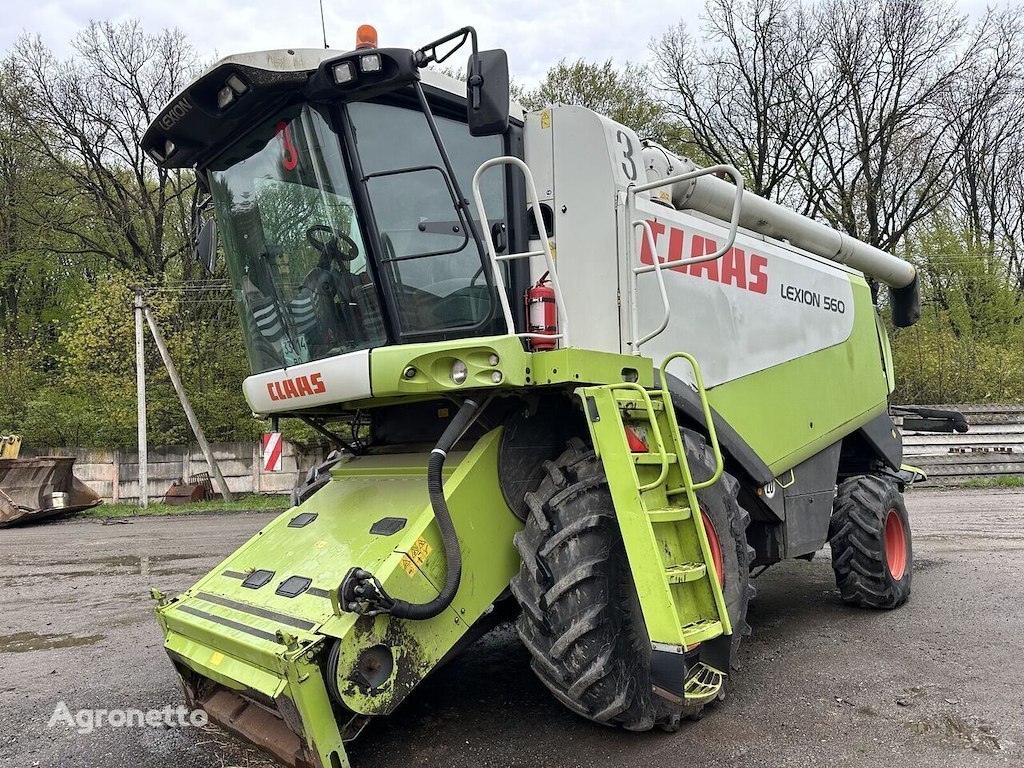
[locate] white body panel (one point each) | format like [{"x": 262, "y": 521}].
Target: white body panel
[
  {"x": 338, "y": 379},
  {"x": 759, "y": 305},
  {"x": 793, "y": 303},
  {"x": 583, "y": 203},
  {"x": 539, "y": 150}
]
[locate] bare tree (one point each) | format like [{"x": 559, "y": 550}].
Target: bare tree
[
  {"x": 14, "y": 173},
  {"x": 988, "y": 185},
  {"x": 29, "y": 278},
  {"x": 1009, "y": 212},
  {"x": 887, "y": 140},
  {"x": 736, "y": 86},
  {"x": 88, "y": 113},
  {"x": 871, "y": 115}
]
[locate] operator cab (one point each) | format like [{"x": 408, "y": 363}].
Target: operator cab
[{"x": 340, "y": 184}]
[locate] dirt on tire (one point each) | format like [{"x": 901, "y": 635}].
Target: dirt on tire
[{"x": 581, "y": 619}]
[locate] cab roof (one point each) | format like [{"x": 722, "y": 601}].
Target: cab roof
[{"x": 196, "y": 124}]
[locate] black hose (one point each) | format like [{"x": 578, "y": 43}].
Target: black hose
[{"x": 435, "y": 487}]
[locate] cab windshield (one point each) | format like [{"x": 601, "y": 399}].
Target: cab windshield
[
  {"x": 296, "y": 253},
  {"x": 297, "y": 248}
]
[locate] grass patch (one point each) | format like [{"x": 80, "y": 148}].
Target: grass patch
[
  {"x": 1005, "y": 481},
  {"x": 254, "y": 503}
]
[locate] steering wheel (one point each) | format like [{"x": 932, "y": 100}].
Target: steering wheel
[{"x": 330, "y": 247}]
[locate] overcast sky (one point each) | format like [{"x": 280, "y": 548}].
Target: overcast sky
[{"x": 536, "y": 33}]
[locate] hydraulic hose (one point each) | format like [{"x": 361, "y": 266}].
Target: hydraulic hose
[{"x": 435, "y": 488}]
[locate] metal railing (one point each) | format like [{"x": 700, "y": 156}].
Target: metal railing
[
  {"x": 534, "y": 202},
  {"x": 656, "y": 265}
]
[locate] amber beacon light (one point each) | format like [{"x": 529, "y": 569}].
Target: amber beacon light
[{"x": 366, "y": 36}]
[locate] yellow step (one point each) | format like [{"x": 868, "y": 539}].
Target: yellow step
[
  {"x": 699, "y": 631},
  {"x": 678, "y": 574},
  {"x": 668, "y": 514},
  {"x": 704, "y": 684},
  {"x": 652, "y": 458}
]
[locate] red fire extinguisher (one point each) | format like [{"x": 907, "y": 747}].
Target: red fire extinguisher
[{"x": 542, "y": 314}]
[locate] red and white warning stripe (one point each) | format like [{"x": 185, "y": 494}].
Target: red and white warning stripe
[{"x": 273, "y": 452}]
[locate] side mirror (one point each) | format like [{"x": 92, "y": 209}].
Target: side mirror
[
  {"x": 487, "y": 93},
  {"x": 206, "y": 245}
]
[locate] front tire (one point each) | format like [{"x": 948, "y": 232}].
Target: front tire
[
  {"x": 581, "y": 619},
  {"x": 869, "y": 535}
]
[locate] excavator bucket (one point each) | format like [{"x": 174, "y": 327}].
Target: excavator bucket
[{"x": 33, "y": 489}]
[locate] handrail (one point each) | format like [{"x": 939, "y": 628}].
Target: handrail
[
  {"x": 734, "y": 221},
  {"x": 637, "y": 271},
  {"x": 531, "y": 190},
  {"x": 653, "y": 420},
  {"x": 631, "y": 192},
  {"x": 716, "y": 449}
]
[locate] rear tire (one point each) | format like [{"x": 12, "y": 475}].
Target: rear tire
[
  {"x": 581, "y": 619},
  {"x": 869, "y": 534}
]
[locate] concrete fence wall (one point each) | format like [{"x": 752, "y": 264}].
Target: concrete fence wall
[
  {"x": 114, "y": 475},
  {"x": 993, "y": 447}
]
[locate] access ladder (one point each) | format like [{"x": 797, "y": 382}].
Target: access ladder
[{"x": 637, "y": 437}]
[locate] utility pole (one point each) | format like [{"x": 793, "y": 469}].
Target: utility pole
[
  {"x": 187, "y": 406},
  {"x": 140, "y": 389}
]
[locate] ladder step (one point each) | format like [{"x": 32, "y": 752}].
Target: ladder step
[
  {"x": 627, "y": 400},
  {"x": 652, "y": 458},
  {"x": 678, "y": 574},
  {"x": 668, "y": 514},
  {"x": 699, "y": 631},
  {"x": 704, "y": 684}
]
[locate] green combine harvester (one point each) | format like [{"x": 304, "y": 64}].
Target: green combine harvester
[{"x": 573, "y": 378}]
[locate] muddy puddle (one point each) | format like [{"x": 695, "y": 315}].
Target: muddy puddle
[
  {"x": 20, "y": 642},
  {"x": 144, "y": 565},
  {"x": 975, "y": 733}
]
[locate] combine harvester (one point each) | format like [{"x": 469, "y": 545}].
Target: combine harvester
[
  {"x": 38, "y": 488},
  {"x": 594, "y": 397}
]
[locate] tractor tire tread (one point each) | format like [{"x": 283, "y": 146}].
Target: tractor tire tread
[
  {"x": 857, "y": 540},
  {"x": 581, "y": 621}
]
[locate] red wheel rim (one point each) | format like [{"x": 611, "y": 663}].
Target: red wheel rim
[
  {"x": 895, "y": 545},
  {"x": 715, "y": 546}
]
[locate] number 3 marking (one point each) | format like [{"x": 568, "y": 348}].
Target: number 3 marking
[{"x": 628, "y": 164}]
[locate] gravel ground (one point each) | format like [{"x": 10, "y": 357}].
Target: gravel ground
[{"x": 935, "y": 683}]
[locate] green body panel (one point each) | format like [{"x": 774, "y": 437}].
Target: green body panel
[
  {"x": 308, "y": 693},
  {"x": 256, "y": 640},
  {"x": 228, "y": 670},
  {"x": 791, "y": 411},
  {"x": 431, "y": 366},
  {"x": 883, "y": 340},
  {"x": 295, "y": 677},
  {"x": 486, "y": 526}
]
